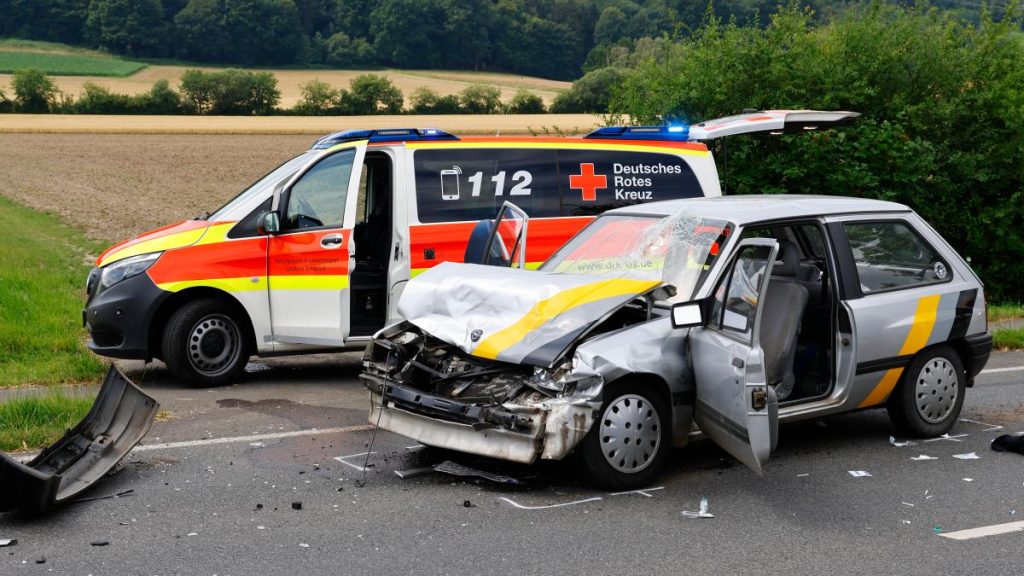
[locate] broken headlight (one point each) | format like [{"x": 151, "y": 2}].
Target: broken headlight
[{"x": 567, "y": 378}]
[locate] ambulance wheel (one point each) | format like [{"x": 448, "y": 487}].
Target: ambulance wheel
[
  {"x": 930, "y": 394},
  {"x": 204, "y": 344},
  {"x": 627, "y": 446}
]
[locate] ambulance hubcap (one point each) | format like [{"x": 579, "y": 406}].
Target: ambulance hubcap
[
  {"x": 213, "y": 344},
  {"x": 630, "y": 433},
  {"x": 936, "y": 390}
]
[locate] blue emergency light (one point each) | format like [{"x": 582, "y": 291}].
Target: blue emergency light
[
  {"x": 382, "y": 135},
  {"x": 675, "y": 131}
]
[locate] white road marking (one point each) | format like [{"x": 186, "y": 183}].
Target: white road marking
[
  {"x": 984, "y": 531},
  {"x": 252, "y": 438},
  {"x": 991, "y": 427},
  {"x": 998, "y": 370},
  {"x": 643, "y": 492},
  {"x": 563, "y": 504},
  {"x": 955, "y": 438},
  {"x": 361, "y": 455}
]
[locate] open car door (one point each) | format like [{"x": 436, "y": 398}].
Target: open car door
[
  {"x": 501, "y": 242},
  {"x": 735, "y": 407},
  {"x": 773, "y": 121}
]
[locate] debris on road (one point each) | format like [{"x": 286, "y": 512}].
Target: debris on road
[
  {"x": 702, "y": 513},
  {"x": 296, "y": 505},
  {"x": 968, "y": 479},
  {"x": 923, "y": 457},
  {"x": 455, "y": 469},
  {"x": 859, "y": 473},
  {"x": 414, "y": 472},
  {"x": 967, "y": 456},
  {"x": 894, "y": 442},
  {"x": 468, "y": 504},
  {"x": 303, "y": 545},
  {"x": 10, "y": 542},
  {"x": 41, "y": 560},
  {"x": 99, "y": 543},
  {"x": 1009, "y": 443}
]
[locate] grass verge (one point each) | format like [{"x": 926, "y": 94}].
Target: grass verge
[
  {"x": 43, "y": 265},
  {"x": 1005, "y": 311},
  {"x": 59, "y": 60},
  {"x": 38, "y": 420},
  {"x": 1008, "y": 339}
]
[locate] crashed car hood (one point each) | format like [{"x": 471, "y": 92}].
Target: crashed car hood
[
  {"x": 516, "y": 316},
  {"x": 170, "y": 237}
]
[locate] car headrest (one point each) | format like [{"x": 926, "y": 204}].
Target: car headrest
[{"x": 790, "y": 256}]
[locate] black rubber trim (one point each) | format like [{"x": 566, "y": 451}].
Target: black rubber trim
[
  {"x": 849, "y": 282},
  {"x": 964, "y": 311},
  {"x": 980, "y": 346},
  {"x": 883, "y": 364}
]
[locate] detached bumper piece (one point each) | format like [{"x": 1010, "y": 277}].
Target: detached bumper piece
[{"x": 118, "y": 420}]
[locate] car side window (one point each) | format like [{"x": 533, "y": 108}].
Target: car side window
[
  {"x": 734, "y": 307},
  {"x": 318, "y": 198},
  {"x": 889, "y": 255}
]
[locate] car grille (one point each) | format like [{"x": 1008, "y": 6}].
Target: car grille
[{"x": 106, "y": 336}]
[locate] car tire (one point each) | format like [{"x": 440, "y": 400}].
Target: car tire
[
  {"x": 632, "y": 415},
  {"x": 205, "y": 343},
  {"x": 930, "y": 393}
]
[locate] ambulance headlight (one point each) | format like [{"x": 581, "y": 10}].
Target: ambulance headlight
[{"x": 123, "y": 269}]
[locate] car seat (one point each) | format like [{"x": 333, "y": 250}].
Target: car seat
[{"x": 783, "y": 312}]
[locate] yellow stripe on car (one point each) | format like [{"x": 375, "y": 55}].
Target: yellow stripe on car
[
  {"x": 251, "y": 283},
  {"x": 545, "y": 310},
  {"x": 917, "y": 338}
]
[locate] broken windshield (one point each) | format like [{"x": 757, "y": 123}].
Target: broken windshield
[{"x": 677, "y": 250}]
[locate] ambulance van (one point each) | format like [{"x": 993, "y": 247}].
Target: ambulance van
[{"x": 314, "y": 256}]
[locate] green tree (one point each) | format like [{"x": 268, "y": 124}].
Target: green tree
[
  {"x": 126, "y": 26},
  {"x": 372, "y": 94},
  {"x": 405, "y": 32},
  {"x": 525, "y": 102},
  {"x": 318, "y": 98},
  {"x": 609, "y": 26},
  {"x": 240, "y": 31},
  {"x": 346, "y": 52},
  {"x": 592, "y": 93},
  {"x": 6, "y": 104},
  {"x": 423, "y": 100},
  {"x": 34, "y": 92},
  {"x": 480, "y": 99},
  {"x": 230, "y": 92},
  {"x": 161, "y": 99}
]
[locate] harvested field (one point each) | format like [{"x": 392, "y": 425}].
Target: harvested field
[
  {"x": 288, "y": 81},
  {"x": 313, "y": 125}
]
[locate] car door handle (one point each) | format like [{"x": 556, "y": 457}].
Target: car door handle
[
  {"x": 737, "y": 362},
  {"x": 331, "y": 241}
]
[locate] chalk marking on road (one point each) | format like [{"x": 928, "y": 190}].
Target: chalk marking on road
[
  {"x": 362, "y": 455},
  {"x": 991, "y": 427},
  {"x": 561, "y": 505},
  {"x": 955, "y": 438},
  {"x": 999, "y": 370},
  {"x": 643, "y": 492},
  {"x": 983, "y": 531},
  {"x": 252, "y": 438}
]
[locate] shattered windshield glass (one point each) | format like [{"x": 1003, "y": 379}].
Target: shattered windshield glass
[{"x": 678, "y": 250}]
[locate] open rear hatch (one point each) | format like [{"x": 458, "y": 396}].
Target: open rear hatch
[{"x": 118, "y": 420}]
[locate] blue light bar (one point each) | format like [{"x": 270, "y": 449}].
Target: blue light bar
[
  {"x": 382, "y": 135},
  {"x": 676, "y": 132}
]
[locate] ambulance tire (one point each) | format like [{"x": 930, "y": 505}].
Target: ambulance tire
[
  {"x": 628, "y": 445},
  {"x": 930, "y": 394},
  {"x": 204, "y": 343}
]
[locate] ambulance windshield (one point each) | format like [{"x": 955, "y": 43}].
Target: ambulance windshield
[
  {"x": 264, "y": 184},
  {"x": 678, "y": 250}
]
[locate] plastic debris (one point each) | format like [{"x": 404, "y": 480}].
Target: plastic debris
[
  {"x": 414, "y": 472},
  {"x": 1009, "y": 443},
  {"x": 907, "y": 504},
  {"x": 968, "y": 479},
  {"x": 923, "y": 457},
  {"x": 449, "y": 467},
  {"x": 702, "y": 513},
  {"x": 859, "y": 473},
  {"x": 256, "y": 444},
  {"x": 192, "y": 534},
  {"x": 303, "y": 545},
  {"x": 99, "y": 543},
  {"x": 967, "y": 456},
  {"x": 10, "y": 542},
  {"x": 467, "y": 504},
  {"x": 261, "y": 527},
  {"x": 41, "y": 560},
  {"x": 296, "y": 505},
  {"x": 937, "y": 529},
  {"x": 802, "y": 475},
  {"x": 892, "y": 440},
  {"x": 906, "y": 521}
]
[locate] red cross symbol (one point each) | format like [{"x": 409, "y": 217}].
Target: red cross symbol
[{"x": 588, "y": 182}]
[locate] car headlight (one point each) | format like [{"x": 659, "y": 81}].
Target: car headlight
[{"x": 123, "y": 269}]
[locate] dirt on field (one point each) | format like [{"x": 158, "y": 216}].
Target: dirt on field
[
  {"x": 114, "y": 186},
  {"x": 288, "y": 81}
]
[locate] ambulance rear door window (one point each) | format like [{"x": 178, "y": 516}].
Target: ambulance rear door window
[
  {"x": 459, "y": 184},
  {"x": 594, "y": 181}
]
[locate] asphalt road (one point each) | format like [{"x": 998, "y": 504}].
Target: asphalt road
[{"x": 214, "y": 483}]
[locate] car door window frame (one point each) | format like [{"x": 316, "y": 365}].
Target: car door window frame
[
  {"x": 717, "y": 320},
  {"x": 851, "y": 275},
  {"x": 281, "y": 205}
]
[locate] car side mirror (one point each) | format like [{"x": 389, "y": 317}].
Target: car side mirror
[
  {"x": 687, "y": 315},
  {"x": 269, "y": 223}
]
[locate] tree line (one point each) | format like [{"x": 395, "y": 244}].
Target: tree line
[
  {"x": 244, "y": 92},
  {"x": 549, "y": 38}
]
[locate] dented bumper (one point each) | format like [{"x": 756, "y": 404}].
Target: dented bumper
[{"x": 118, "y": 420}]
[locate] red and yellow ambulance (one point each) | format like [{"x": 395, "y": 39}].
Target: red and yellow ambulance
[{"x": 314, "y": 255}]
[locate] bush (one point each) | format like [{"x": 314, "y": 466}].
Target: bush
[
  {"x": 161, "y": 100},
  {"x": 34, "y": 92},
  {"x": 96, "y": 99},
  {"x": 591, "y": 93},
  {"x": 942, "y": 127},
  {"x": 526, "y": 102},
  {"x": 372, "y": 94},
  {"x": 480, "y": 99},
  {"x": 318, "y": 98},
  {"x": 6, "y": 105},
  {"x": 231, "y": 92},
  {"x": 423, "y": 100}
]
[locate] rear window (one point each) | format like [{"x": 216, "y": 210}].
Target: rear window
[{"x": 471, "y": 184}]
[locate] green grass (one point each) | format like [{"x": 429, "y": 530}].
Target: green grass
[
  {"x": 43, "y": 265},
  {"x": 1008, "y": 339},
  {"x": 61, "y": 60},
  {"x": 35, "y": 421},
  {"x": 1005, "y": 311}
]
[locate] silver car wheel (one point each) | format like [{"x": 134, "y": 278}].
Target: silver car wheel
[
  {"x": 214, "y": 344},
  {"x": 936, "y": 390},
  {"x": 630, "y": 433}
]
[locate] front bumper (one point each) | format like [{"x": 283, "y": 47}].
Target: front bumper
[
  {"x": 118, "y": 317},
  {"x": 516, "y": 433}
]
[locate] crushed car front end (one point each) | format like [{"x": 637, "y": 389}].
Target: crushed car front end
[{"x": 436, "y": 394}]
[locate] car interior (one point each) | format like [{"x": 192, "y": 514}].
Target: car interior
[
  {"x": 796, "y": 331},
  {"x": 372, "y": 236}
]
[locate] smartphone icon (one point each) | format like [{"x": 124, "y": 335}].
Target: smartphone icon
[{"x": 450, "y": 183}]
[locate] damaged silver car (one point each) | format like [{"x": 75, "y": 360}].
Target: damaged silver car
[{"x": 723, "y": 314}]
